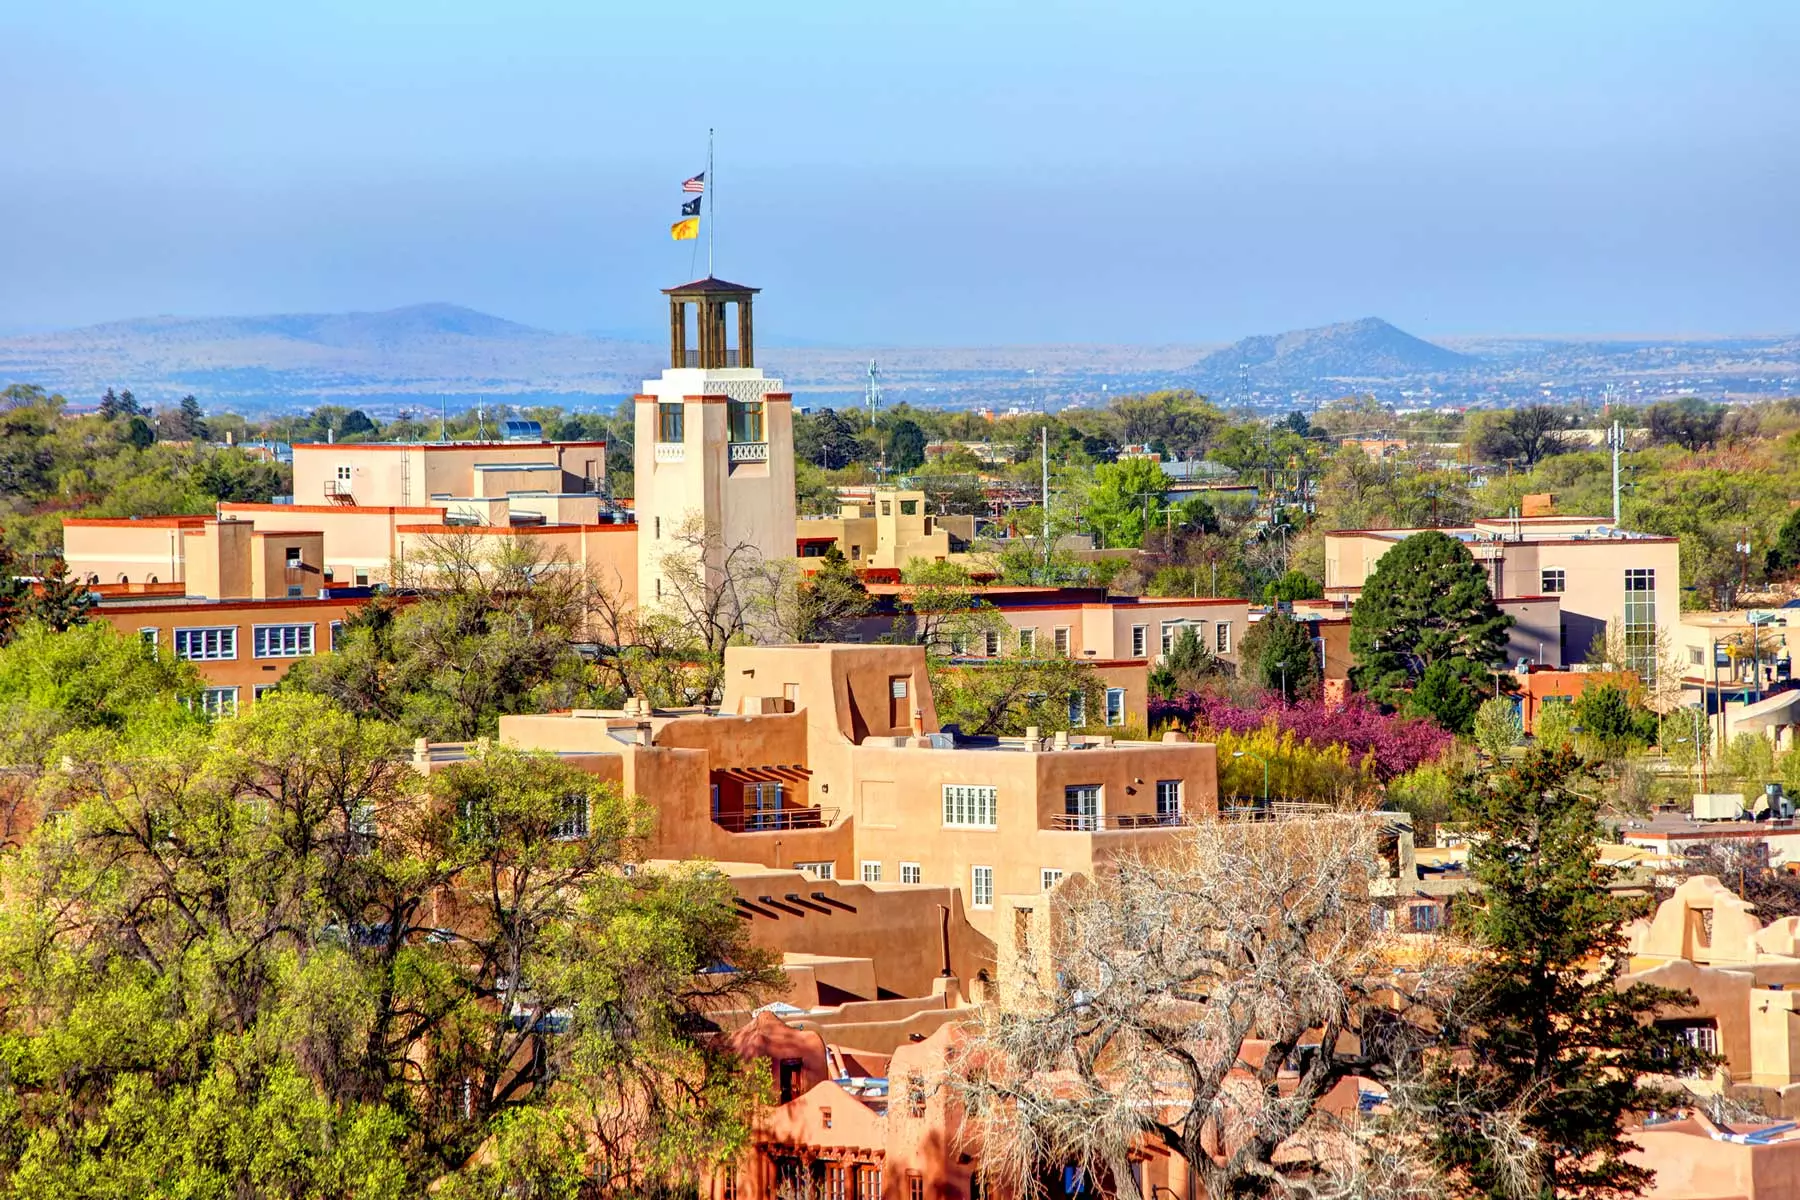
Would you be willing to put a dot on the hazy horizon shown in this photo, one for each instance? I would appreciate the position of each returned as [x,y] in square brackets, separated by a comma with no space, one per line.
[943,174]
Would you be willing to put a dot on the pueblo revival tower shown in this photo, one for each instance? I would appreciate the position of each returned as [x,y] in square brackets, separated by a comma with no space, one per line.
[715,443]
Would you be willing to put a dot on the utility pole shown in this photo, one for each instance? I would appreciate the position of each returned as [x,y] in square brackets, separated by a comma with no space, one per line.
[1615,441]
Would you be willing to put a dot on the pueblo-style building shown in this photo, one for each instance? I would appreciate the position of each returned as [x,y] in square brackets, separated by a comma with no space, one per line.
[715,444]
[829,760]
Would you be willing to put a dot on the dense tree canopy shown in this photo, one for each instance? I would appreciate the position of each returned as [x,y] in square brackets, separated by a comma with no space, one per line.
[1427,604]
[1558,1055]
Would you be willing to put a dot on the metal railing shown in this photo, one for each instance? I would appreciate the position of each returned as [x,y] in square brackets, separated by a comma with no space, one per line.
[337,487]
[1100,822]
[749,452]
[691,358]
[776,820]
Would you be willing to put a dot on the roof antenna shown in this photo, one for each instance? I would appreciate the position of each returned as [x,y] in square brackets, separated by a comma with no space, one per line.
[872,395]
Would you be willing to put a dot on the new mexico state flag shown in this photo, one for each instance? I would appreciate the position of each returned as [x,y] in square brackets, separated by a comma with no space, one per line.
[685,230]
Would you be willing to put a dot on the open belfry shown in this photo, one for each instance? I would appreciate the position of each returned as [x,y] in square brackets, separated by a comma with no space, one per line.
[715,446]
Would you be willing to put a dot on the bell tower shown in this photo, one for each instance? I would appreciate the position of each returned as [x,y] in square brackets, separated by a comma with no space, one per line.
[714,452]
[710,298]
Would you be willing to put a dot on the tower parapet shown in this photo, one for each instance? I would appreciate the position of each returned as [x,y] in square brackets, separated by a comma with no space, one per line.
[714,450]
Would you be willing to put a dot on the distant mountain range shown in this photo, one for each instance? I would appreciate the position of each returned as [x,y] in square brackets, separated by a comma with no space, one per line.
[1352,350]
[426,354]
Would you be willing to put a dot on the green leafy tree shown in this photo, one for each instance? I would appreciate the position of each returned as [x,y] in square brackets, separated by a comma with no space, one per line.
[1558,1056]
[1121,499]
[1292,586]
[905,446]
[490,633]
[828,440]
[1427,604]
[1190,660]
[87,677]
[1020,688]
[1497,726]
[1446,696]
[1608,721]
[821,607]
[257,987]
[1689,422]
[1525,434]
[1279,653]
[1784,555]
[1555,725]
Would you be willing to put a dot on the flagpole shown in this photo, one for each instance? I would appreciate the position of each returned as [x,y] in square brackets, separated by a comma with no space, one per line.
[711,183]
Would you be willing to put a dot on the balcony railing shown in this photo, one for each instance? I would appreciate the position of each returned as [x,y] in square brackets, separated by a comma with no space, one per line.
[692,358]
[776,820]
[749,452]
[337,489]
[1098,822]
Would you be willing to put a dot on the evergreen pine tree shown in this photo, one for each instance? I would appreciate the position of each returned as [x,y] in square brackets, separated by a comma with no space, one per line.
[1556,1051]
[1279,652]
[1426,602]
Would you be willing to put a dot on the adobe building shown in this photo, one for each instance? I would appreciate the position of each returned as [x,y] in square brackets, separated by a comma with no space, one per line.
[1745,979]
[887,531]
[241,648]
[715,441]
[830,760]
[1564,579]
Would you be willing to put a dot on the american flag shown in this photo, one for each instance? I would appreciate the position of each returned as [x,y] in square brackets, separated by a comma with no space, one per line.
[696,184]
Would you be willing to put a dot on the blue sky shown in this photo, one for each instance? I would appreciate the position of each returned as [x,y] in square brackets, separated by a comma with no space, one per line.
[927,172]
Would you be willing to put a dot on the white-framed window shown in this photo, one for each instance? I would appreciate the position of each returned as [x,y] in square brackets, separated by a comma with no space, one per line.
[281,641]
[262,689]
[149,634]
[1115,706]
[981,887]
[1222,637]
[1049,877]
[1170,631]
[991,644]
[817,870]
[1060,638]
[362,577]
[571,818]
[1140,641]
[1027,640]
[219,701]
[1077,708]
[1081,806]
[206,645]
[871,871]
[1168,797]
[337,634]
[971,806]
[1552,580]
[343,473]
[910,873]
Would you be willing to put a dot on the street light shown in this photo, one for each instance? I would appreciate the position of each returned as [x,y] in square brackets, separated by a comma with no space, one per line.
[1265,766]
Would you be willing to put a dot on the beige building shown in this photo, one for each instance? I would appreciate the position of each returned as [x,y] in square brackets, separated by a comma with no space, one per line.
[830,760]
[887,531]
[490,483]
[1599,576]
[715,442]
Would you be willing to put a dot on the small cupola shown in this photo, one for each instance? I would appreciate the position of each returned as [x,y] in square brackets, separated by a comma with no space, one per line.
[711,297]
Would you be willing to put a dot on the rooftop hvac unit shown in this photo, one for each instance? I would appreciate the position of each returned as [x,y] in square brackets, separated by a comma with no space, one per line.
[515,430]
[1717,806]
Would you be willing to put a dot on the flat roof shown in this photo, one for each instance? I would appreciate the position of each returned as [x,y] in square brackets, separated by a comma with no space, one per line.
[486,445]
